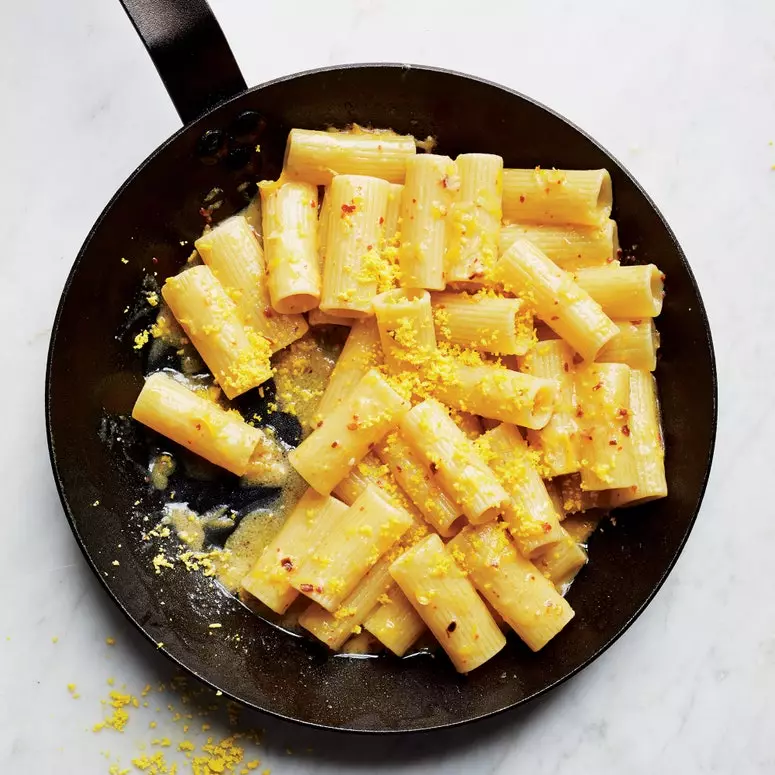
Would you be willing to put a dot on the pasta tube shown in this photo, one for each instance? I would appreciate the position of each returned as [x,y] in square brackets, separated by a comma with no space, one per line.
[625,292]
[561,562]
[316,157]
[498,393]
[395,623]
[485,322]
[352,546]
[290,220]
[360,353]
[199,424]
[636,345]
[648,448]
[370,471]
[313,518]
[454,460]
[238,357]
[425,202]
[329,453]
[570,247]
[512,585]
[558,301]
[581,197]
[448,604]
[411,472]
[603,395]
[405,322]
[353,243]
[557,441]
[334,628]
[530,514]
[474,220]
[234,256]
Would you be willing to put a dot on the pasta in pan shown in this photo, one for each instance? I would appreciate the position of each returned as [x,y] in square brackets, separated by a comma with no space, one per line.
[495,381]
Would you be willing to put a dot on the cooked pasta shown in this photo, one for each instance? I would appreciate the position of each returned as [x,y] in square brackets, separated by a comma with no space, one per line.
[562,304]
[570,247]
[290,221]
[234,256]
[472,371]
[551,196]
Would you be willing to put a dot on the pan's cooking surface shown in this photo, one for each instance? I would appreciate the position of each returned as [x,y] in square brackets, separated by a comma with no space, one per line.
[91,372]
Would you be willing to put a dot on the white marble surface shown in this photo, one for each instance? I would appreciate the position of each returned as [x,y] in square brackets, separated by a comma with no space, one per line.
[682,92]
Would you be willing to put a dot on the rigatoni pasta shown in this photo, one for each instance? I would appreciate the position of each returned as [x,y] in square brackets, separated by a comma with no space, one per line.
[562,304]
[237,356]
[354,241]
[290,220]
[481,364]
[636,345]
[425,203]
[453,458]
[485,321]
[363,533]
[603,395]
[200,425]
[317,157]
[570,247]
[582,197]
[448,604]
[511,584]
[474,219]
[624,292]
[234,255]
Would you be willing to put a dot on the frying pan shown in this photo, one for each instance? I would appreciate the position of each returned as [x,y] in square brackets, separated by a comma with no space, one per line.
[94,375]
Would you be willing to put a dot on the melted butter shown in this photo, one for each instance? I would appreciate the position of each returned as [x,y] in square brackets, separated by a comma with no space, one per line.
[302,371]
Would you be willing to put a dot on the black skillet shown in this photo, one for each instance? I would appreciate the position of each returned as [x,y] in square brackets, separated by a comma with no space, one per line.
[94,375]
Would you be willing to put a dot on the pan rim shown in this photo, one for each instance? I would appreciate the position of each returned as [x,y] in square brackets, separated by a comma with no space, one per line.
[69,512]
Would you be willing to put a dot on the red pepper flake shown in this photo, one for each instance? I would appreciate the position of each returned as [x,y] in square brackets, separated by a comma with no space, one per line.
[626,430]
[414,202]
[155,260]
[555,317]
[347,209]
[352,426]
[268,312]
[566,366]
[287,564]
[598,386]
[621,413]
[451,627]
[334,444]
[198,426]
[319,424]
[547,528]
[433,467]
[399,469]
[612,443]
[636,322]
[319,589]
[445,181]
[521,198]
[369,247]
[313,204]
[306,588]
[381,220]
[579,413]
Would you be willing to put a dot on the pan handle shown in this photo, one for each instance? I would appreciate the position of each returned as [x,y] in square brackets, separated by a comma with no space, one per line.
[190,52]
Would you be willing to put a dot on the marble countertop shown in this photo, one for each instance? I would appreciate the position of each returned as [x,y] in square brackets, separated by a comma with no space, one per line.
[682,93]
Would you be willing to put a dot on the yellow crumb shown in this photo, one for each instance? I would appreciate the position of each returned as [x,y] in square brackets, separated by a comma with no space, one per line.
[110,641]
